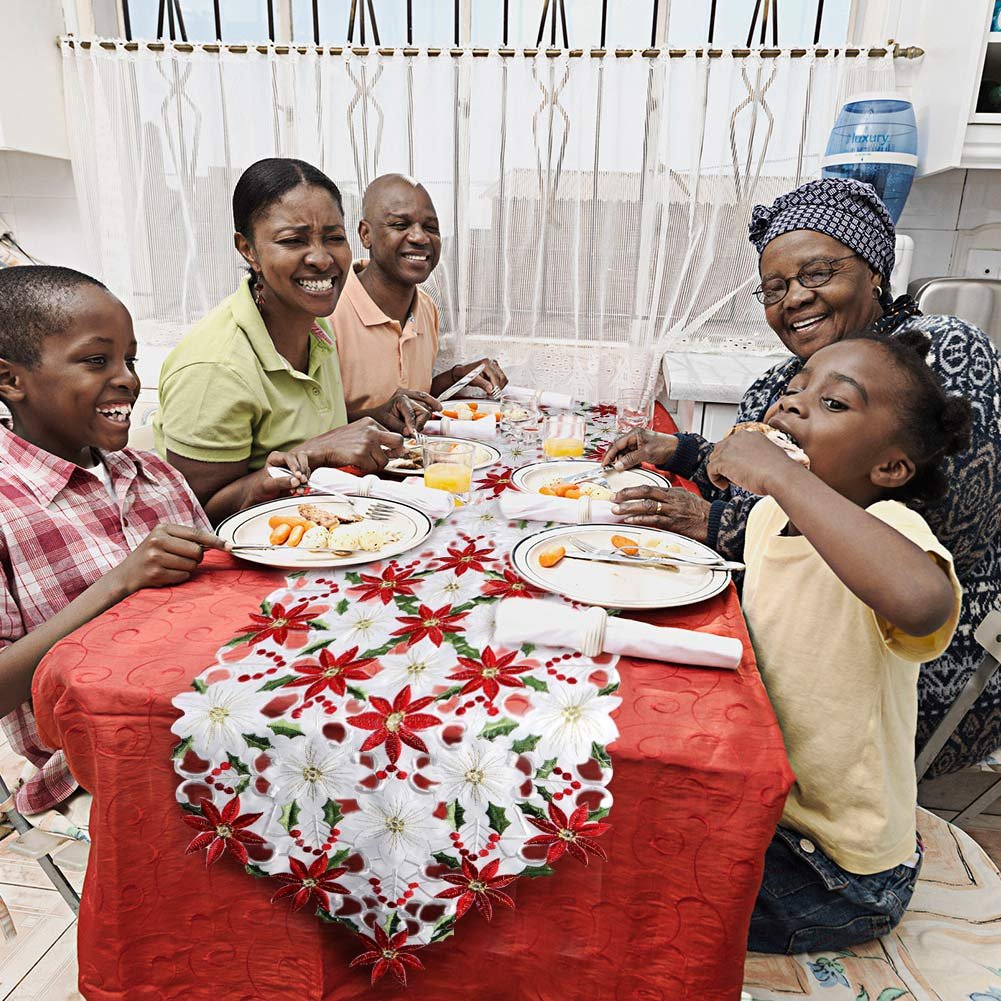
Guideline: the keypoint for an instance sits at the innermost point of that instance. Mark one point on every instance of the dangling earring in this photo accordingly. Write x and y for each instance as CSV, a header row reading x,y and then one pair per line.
x,y
876,293
259,289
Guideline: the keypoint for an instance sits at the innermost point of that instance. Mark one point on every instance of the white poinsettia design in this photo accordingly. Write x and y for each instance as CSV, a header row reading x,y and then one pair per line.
x,y
309,770
366,625
422,666
477,774
216,719
449,588
390,826
569,719
479,624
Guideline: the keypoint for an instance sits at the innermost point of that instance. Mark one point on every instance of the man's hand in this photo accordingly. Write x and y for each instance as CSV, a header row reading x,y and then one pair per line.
x,y
749,460
168,555
364,443
406,411
491,378
638,446
656,507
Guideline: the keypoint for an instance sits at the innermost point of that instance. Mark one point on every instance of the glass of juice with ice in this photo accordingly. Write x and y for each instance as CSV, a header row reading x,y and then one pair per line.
x,y
448,465
563,436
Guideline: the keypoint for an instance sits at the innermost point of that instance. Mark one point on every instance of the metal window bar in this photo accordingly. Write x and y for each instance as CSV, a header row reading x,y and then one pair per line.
x,y
126,19
820,19
216,13
316,23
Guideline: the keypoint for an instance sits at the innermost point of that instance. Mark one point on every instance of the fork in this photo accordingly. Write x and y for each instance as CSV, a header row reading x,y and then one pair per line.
x,y
376,511
595,476
717,564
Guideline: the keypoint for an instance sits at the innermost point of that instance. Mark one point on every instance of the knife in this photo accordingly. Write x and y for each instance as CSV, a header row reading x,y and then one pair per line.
x,y
462,383
668,562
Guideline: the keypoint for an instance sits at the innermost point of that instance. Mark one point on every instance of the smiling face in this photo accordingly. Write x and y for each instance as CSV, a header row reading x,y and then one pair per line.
x,y
842,410
400,230
81,392
300,246
807,319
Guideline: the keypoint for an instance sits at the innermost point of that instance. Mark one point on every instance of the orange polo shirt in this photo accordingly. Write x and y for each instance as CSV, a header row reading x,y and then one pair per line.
x,y
378,357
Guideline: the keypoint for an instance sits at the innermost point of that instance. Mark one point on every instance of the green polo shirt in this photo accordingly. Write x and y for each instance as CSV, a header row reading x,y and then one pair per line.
x,y
227,395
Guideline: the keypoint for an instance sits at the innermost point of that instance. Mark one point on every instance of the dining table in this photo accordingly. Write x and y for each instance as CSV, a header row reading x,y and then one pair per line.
x,y
699,780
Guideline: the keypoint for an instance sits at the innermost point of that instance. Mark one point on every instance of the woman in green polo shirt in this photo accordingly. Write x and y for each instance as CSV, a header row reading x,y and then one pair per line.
x,y
256,382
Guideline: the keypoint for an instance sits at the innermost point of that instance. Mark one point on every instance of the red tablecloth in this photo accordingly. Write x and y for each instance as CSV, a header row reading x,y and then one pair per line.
x,y
700,779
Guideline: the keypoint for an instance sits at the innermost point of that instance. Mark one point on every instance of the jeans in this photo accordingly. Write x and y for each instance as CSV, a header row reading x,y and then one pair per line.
x,y
808,903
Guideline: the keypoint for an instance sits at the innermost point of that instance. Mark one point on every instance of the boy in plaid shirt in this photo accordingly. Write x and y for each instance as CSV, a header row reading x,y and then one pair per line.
x,y
84,521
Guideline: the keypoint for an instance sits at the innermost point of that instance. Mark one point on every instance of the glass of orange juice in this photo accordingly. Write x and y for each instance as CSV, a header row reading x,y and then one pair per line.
x,y
448,465
563,436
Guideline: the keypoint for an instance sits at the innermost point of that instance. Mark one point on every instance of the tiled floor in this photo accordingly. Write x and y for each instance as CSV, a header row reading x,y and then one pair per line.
x,y
40,963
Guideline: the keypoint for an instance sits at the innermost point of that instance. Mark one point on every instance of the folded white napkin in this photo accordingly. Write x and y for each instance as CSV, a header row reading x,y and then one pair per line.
x,y
594,631
485,427
515,505
545,398
434,503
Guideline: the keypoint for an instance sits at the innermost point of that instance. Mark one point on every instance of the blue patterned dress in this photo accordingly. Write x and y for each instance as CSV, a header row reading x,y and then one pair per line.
x,y
967,521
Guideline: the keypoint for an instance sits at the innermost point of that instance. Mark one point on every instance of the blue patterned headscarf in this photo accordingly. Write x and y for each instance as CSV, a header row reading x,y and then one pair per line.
x,y
848,210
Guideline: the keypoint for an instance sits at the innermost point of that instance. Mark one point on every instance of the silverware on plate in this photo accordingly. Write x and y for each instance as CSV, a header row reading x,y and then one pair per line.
x,y
653,556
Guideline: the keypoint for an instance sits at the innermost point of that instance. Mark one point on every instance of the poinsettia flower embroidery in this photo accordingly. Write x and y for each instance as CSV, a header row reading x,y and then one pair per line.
x,y
510,586
222,830
392,826
430,623
392,581
330,672
216,719
477,775
388,955
563,834
279,622
309,771
314,883
490,672
477,886
467,558
396,722
498,481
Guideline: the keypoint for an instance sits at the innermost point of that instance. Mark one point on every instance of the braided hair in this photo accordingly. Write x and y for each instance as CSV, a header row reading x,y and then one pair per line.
x,y
934,424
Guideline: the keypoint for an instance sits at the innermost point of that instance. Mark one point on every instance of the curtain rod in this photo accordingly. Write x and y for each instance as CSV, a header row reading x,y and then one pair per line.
x,y
898,51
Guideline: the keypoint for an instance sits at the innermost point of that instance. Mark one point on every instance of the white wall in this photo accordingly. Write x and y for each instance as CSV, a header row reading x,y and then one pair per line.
x,y
950,214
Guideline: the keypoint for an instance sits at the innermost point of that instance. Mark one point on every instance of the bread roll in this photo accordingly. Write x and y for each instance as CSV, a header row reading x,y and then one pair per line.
x,y
775,436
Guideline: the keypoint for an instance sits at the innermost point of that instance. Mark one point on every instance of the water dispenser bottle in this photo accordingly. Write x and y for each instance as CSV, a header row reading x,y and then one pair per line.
x,y
875,140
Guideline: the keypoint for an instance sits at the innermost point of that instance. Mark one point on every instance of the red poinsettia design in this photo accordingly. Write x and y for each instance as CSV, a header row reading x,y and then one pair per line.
x,y
279,623
490,672
330,672
393,581
469,558
572,835
395,723
432,624
603,409
472,884
313,883
222,830
511,586
498,481
388,955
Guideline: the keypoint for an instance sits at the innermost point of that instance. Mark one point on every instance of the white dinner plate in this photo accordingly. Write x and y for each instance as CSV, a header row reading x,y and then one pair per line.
x,y
618,585
530,478
250,527
485,455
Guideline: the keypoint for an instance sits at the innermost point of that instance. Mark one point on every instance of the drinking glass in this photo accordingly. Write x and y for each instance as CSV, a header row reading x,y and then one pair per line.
x,y
526,420
633,412
448,465
563,436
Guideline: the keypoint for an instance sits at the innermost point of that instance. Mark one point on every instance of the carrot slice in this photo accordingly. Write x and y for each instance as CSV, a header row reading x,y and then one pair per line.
x,y
548,491
628,546
454,414
561,489
295,536
573,493
279,534
473,406
479,417
550,557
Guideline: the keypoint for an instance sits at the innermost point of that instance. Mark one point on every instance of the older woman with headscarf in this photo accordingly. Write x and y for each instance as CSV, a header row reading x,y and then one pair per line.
x,y
826,253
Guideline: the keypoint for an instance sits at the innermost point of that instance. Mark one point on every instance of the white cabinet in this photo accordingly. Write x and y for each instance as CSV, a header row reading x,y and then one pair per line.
x,y
961,52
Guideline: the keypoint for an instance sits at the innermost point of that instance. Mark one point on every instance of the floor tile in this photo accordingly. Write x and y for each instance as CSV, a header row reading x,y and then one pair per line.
x,y
41,917
54,977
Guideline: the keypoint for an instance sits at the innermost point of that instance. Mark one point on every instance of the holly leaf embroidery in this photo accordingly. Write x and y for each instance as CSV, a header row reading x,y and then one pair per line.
x,y
456,815
270,686
442,859
526,744
537,683
199,686
534,871
261,743
283,729
498,818
332,813
499,728
182,748
600,755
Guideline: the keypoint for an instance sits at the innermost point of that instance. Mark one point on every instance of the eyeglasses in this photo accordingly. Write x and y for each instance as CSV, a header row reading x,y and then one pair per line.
x,y
812,276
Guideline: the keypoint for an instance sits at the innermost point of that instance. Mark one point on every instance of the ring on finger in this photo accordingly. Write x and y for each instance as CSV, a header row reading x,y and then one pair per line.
x,y
660,507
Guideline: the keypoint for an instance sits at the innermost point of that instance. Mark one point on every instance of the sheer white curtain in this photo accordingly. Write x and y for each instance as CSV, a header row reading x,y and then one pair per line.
x,y
594,211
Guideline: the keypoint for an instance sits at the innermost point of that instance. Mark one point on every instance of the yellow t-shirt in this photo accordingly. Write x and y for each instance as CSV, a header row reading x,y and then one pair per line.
x,y
226,394
843,683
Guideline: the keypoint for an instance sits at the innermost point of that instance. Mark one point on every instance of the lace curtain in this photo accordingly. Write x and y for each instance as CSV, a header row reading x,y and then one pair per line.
x,y
594,210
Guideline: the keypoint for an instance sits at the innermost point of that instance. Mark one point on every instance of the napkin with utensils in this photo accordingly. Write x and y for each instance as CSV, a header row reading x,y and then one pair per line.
x,y
561,401
594,631
434,503
485,427
566,511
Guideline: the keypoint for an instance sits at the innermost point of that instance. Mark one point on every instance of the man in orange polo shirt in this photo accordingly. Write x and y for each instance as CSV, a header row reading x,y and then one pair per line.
x,y
386,327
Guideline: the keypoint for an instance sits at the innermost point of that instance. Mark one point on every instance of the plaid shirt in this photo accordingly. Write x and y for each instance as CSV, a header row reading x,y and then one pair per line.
x,y
60,531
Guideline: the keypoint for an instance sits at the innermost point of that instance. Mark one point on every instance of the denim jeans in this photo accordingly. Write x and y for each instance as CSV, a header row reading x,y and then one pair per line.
x,y
808,903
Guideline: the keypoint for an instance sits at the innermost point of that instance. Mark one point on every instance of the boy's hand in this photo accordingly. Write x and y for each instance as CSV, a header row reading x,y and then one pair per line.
x,y
406,411
638,446
168,555
749,460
